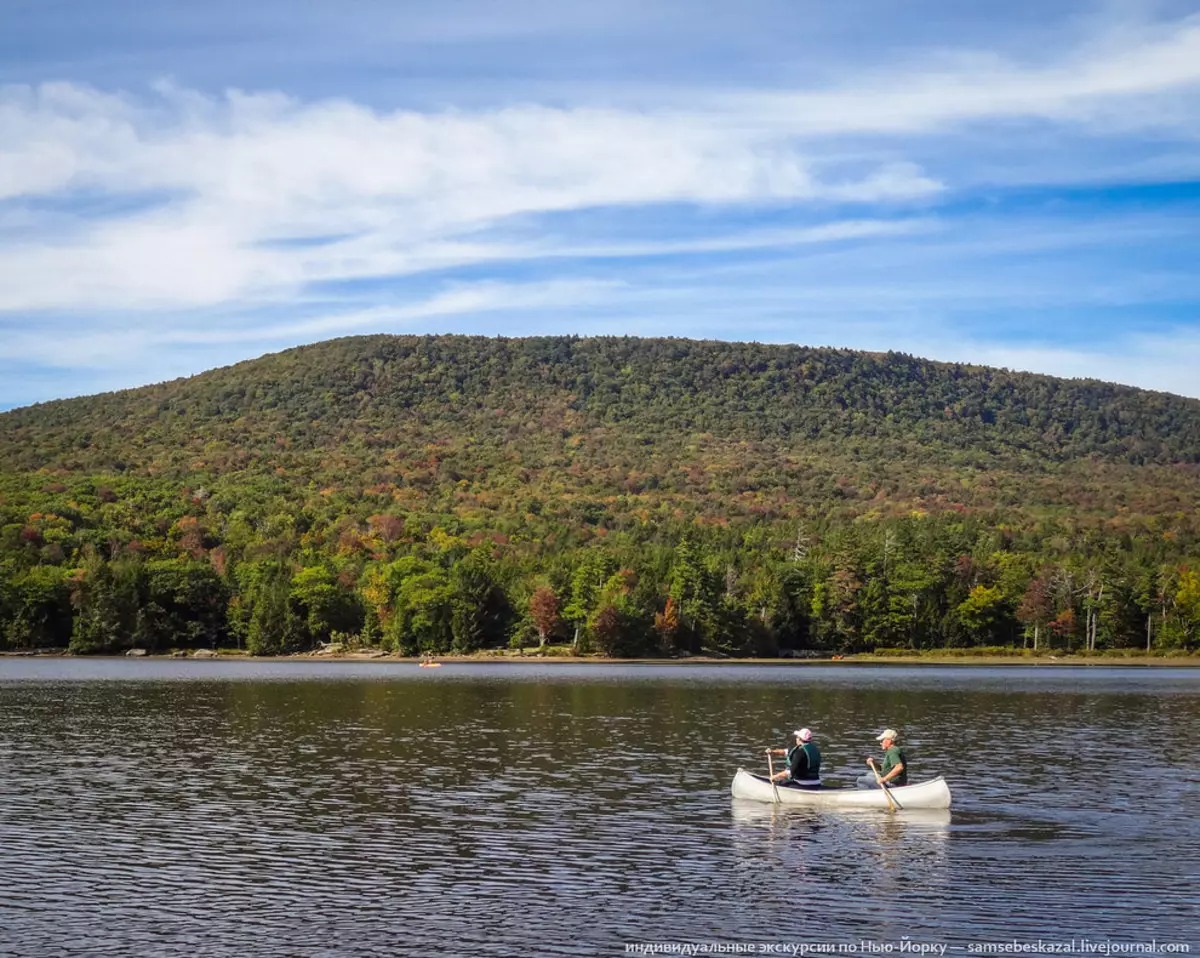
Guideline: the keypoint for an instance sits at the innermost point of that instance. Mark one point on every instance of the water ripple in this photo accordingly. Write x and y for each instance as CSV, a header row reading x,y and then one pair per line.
x,y
565,811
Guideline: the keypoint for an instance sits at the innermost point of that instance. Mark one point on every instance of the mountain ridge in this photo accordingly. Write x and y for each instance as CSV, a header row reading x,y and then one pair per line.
x,y
877,355
798,380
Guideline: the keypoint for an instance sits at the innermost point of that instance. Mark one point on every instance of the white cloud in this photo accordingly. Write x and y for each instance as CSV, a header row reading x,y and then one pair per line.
x,y
1166,363
465,299
407,191
403,188
103,343
1093,85
168,208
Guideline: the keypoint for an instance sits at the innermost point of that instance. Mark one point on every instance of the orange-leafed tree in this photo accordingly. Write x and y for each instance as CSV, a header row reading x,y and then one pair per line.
x,y
543,608
666,624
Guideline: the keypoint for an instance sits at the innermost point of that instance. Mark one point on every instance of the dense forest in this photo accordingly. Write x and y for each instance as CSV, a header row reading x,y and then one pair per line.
x,y
621,495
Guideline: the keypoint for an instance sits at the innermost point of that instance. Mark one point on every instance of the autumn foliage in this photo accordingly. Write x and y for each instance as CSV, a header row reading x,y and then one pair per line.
x,y
636,496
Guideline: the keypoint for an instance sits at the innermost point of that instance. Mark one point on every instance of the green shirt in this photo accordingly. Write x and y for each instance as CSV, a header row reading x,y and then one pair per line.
x,y
891,758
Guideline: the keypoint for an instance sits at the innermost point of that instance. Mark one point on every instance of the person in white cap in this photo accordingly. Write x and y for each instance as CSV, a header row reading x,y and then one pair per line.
x,y
804,761
894,770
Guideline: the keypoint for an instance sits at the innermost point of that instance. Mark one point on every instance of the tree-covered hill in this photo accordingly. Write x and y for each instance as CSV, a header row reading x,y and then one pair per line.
x,y
368,388
764,476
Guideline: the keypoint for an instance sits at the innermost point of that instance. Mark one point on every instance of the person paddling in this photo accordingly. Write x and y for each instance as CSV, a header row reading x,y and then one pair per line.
x,y
804,761
894,770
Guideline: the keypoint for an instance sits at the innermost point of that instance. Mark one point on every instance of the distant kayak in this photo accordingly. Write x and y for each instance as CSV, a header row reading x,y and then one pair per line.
x,y
431,665
934,793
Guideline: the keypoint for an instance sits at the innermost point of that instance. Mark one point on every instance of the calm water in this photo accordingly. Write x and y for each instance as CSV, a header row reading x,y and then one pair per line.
x,y
223,808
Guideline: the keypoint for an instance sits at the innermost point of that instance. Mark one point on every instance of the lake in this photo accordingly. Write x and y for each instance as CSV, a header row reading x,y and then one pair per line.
x,y
333,808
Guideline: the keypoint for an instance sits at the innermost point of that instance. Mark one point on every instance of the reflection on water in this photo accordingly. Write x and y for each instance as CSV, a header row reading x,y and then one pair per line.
x,y
930,822
180,808
861,853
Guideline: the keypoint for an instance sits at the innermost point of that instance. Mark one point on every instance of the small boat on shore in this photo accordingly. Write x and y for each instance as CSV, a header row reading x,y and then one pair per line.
x,y
934,793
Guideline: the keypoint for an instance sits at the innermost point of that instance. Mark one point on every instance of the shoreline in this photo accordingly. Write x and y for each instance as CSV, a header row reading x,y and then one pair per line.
x,y
865,660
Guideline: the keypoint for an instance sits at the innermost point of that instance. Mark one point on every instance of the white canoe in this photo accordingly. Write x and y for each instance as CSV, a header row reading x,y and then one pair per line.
x,y
932,794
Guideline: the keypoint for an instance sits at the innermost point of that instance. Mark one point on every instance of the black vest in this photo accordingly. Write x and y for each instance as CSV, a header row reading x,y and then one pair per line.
x,y
805,766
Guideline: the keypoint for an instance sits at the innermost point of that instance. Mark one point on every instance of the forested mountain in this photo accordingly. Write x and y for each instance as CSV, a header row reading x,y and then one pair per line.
x,y
634,495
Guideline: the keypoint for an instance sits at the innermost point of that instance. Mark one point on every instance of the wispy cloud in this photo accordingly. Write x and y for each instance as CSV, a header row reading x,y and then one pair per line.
x,y
1093,85
857,208
103,343
240,173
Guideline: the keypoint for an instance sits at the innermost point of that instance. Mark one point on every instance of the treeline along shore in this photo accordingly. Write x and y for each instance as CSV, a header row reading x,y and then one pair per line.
x,y
623,497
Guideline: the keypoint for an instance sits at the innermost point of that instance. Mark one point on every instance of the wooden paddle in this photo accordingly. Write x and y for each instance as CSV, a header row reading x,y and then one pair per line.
x,y
771,772
894,805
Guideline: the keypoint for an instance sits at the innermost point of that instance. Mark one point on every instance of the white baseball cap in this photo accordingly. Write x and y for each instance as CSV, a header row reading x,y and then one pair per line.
x,y
887,733
805,735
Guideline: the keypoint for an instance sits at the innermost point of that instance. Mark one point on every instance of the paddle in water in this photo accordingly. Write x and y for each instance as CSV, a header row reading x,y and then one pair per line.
x,y
894,805
771,774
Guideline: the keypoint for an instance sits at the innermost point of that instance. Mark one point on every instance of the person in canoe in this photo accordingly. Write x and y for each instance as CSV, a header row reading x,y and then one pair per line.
x,y
894,770
804,761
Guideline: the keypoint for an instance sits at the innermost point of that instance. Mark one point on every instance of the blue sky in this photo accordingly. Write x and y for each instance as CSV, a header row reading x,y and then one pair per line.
x,y
186,185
